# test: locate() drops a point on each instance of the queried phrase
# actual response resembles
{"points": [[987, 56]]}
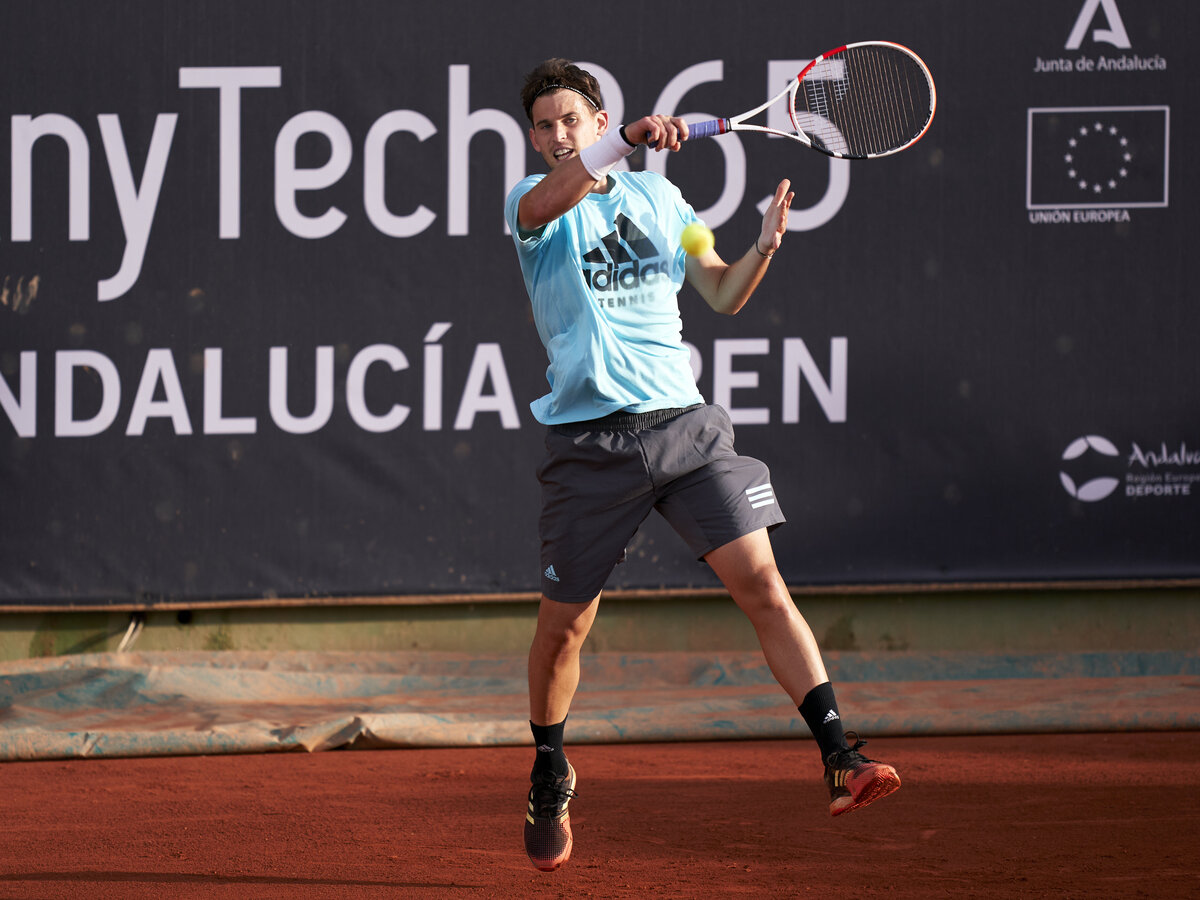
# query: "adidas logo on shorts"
{"points": [[763, 495], [550, 573]]}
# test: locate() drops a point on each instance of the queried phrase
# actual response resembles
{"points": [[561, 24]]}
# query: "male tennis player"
{"points": [[628, 431]]}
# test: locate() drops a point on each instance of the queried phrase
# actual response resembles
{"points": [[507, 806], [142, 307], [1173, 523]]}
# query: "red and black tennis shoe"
{"points": [[854, 781], [547, 822]]}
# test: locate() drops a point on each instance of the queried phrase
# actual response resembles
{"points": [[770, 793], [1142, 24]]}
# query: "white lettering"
{"points": [[1114, 34], [230, 80], [779, 73], [1101, 216], [734, 188], [1158, 490], [433, 376], [488, 363], [214, 421], [22, 414], [1049, 216], [138, 194], [65, 363], [726, 379], [1054, 65], [25, 133], [356, 382], [487, 389], [461, 128], [375, 166], [135, 204], [289, 179], [278, 391], [160, 368], [830, 394], [1165, 457]]}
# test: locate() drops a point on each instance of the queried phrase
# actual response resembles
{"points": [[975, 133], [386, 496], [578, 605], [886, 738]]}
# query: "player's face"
{"points": [[563, 124]]}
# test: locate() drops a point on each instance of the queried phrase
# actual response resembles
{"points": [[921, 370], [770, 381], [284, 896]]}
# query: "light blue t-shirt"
{"points": [[603, 280]]}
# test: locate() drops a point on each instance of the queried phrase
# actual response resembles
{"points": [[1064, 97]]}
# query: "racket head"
{"points": [[863, 100]]}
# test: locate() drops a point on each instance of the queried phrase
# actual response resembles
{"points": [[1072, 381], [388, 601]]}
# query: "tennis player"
{"points": [[628, 431]]}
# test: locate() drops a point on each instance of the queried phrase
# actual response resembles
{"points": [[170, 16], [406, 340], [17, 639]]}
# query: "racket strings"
{"points": [[863, 101]]}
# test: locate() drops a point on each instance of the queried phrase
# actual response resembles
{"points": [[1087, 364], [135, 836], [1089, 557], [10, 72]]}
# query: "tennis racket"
{"points": [[860, 101]]}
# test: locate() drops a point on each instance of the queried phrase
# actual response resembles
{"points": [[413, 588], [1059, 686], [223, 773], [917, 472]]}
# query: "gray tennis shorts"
{"points": [[600, 480]]}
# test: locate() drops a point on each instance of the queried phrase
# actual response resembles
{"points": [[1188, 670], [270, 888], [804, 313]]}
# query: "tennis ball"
{"points": [[697, 239]]}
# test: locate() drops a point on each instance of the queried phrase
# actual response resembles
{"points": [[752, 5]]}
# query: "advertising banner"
{"points": [[263, 333]]}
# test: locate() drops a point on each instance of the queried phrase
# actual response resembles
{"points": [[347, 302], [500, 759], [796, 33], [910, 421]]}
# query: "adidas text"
{"points": [[630, 278]]}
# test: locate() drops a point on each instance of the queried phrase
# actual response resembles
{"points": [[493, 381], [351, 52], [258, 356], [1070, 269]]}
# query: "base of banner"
{"points": [[153, 704]]}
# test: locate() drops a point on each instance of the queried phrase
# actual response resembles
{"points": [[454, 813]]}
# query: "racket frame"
{"points": [[713, 127]]}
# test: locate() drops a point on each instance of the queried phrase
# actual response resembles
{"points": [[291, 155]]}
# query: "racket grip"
{"points": [[710, 128]]}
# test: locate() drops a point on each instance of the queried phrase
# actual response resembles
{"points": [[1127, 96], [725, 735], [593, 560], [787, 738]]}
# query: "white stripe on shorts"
{"points": [[763, 495]]}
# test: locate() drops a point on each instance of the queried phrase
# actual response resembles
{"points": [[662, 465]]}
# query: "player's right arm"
{"points": [[570, 181], [554, 195]]}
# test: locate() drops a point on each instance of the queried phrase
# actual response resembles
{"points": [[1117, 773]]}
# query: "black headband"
{"points": [[565, 87]]}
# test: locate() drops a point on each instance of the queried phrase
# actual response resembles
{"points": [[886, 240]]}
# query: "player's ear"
{"points": [[601, 121]]}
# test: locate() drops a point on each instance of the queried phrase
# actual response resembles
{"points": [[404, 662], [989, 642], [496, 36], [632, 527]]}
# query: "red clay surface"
{"points": [[1095, 815]]}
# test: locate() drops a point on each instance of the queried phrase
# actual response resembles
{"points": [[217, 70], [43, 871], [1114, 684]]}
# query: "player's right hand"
{"points": [[659, 132]]}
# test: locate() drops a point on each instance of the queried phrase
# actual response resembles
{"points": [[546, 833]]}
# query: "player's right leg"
{"points": [[854, 781], [553, 679]]}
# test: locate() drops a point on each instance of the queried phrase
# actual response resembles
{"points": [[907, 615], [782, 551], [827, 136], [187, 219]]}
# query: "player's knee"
{"points": [[548, 655], [763, 593], [559, 640]]}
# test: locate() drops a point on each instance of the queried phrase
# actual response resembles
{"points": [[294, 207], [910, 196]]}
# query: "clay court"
{"points": [[1083, 815], [280, 306]]}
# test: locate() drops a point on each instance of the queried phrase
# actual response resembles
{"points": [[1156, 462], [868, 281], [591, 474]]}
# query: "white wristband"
{"points": [[601, 156]]}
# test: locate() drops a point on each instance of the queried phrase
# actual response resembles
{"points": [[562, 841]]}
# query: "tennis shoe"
{"points": [[547, 823], [854, 781]]}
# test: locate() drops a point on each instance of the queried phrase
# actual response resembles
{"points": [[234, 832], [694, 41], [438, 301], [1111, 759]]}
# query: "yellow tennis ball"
{"points": [[697, 239]]}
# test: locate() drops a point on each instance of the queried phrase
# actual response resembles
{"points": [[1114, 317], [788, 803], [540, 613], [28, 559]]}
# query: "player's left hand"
{"points": [[775, 218]]}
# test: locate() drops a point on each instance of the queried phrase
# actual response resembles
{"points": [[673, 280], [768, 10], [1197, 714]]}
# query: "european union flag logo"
{"points": [[1087, 157]]}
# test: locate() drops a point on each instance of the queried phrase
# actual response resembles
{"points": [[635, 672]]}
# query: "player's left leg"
{"points": [[553, 680], [554, 657], [746, 566], [595, 494]]}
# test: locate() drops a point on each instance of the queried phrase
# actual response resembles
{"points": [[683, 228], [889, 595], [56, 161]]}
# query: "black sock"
{"points": [[549, 742], [820, 711]]}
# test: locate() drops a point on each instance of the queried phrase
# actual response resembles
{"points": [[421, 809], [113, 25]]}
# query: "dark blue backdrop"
{"points": [[262, 332]]}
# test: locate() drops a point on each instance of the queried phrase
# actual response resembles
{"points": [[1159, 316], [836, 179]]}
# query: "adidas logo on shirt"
{"points": [[626, 258], [550, 573]]}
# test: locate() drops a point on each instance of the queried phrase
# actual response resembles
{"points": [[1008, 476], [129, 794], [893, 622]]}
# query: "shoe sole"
{"points": [[549, 864], [883, 781]]}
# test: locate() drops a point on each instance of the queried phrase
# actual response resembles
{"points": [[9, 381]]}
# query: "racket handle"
{"points": [[709, 128]]}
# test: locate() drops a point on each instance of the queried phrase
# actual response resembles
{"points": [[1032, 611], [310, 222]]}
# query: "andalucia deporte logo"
{"points": [[1093, 468]]}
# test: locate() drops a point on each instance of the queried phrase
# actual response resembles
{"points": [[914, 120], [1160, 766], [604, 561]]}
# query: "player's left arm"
{"points": [[727, 286]]}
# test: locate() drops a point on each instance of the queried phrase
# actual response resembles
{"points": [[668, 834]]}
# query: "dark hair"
{"points": [[560, 74]]}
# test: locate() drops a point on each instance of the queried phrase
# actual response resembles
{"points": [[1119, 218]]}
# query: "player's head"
{"points": [[565, 109], [560, 75]]}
